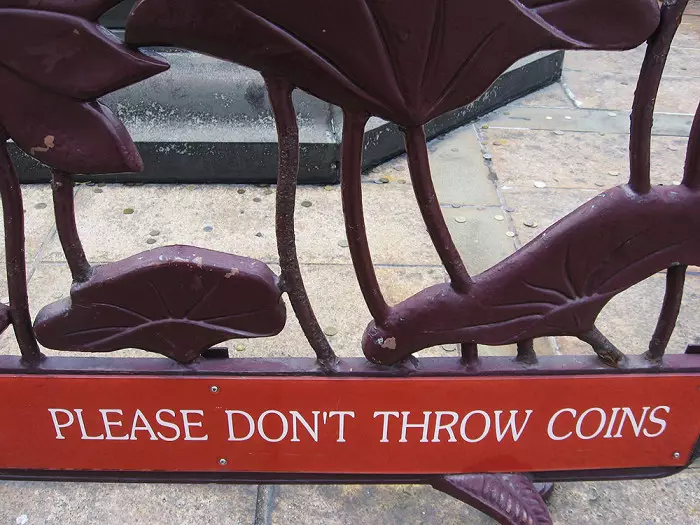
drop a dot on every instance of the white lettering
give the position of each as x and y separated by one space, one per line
658 421
608 433
138 415
511 425
186 423
261 429
637 426
79 413
463 426
167 424
109 424
385 424
251 425
341 423
313 432
57 425
601 426
550 426
448 427
405 425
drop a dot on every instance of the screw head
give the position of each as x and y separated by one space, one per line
214 389
676 455
223 462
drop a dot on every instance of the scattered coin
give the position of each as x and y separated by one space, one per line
307 204
128 211
40 205
240 347
449 348
567 117
548 117
672 147
558 132
599 184
98 190
460 219
259 234
613 173
384 180
257 199
401 181
150 241
454 150
400 167
612 114
330 331
268 191
154 233
487 156
343 243
499 217
208 228
241 191
510 234
328 188
509 209
530 223
101 184
539 184
485 126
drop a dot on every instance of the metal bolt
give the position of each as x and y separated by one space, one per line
214 389
676 455
223 462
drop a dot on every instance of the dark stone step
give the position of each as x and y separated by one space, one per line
207 121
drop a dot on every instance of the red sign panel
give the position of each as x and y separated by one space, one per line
347 425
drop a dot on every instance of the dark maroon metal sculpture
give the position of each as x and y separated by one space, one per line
406 62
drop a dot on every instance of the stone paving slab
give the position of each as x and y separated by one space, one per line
481 172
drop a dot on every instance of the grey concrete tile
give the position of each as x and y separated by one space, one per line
458 169
388 505
552 96
608 91
338 304
688 35
244 223
669 501
481 239
630 318
681 62
38 220
542 207
89 503
672 501
591 120
576 160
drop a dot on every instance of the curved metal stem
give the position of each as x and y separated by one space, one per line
675 281
419 167
642 118
351 186
64 211
691 174
13 216
280 94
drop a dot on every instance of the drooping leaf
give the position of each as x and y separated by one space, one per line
89 9
509 498
407 62
69 55
72 136
176 301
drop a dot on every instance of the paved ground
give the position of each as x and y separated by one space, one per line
517 170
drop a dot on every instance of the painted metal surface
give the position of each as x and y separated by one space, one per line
407 63
351 425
